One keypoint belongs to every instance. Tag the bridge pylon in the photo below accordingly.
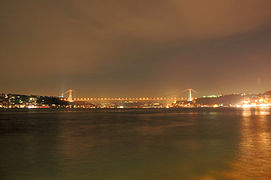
(70, 95)
(69, 92)
(190, 97)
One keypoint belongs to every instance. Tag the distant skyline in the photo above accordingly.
(122, 48)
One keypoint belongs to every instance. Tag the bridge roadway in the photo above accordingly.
(129, 99)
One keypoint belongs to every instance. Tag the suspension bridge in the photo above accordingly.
(70, 97)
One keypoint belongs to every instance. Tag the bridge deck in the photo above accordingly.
(128, 99)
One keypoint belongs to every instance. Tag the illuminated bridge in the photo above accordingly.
(171, 99)
(129, 99)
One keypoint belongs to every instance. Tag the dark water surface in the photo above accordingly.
(192, 145)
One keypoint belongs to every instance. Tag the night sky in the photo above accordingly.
(125, 48)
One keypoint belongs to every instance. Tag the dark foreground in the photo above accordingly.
(193, 144)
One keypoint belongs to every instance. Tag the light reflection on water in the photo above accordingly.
(253, 159)
(195, 145)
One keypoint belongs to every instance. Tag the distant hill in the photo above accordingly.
(268, 93)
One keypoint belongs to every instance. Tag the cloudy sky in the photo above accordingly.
(135, 48)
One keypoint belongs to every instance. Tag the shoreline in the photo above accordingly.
(128, 110)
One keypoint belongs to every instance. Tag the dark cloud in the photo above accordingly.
(124, 47)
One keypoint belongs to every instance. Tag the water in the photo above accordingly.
(194, 145)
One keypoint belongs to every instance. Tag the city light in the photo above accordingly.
(241, 100)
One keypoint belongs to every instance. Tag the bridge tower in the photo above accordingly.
(70, 95)
(190, 91)
(190, 99)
